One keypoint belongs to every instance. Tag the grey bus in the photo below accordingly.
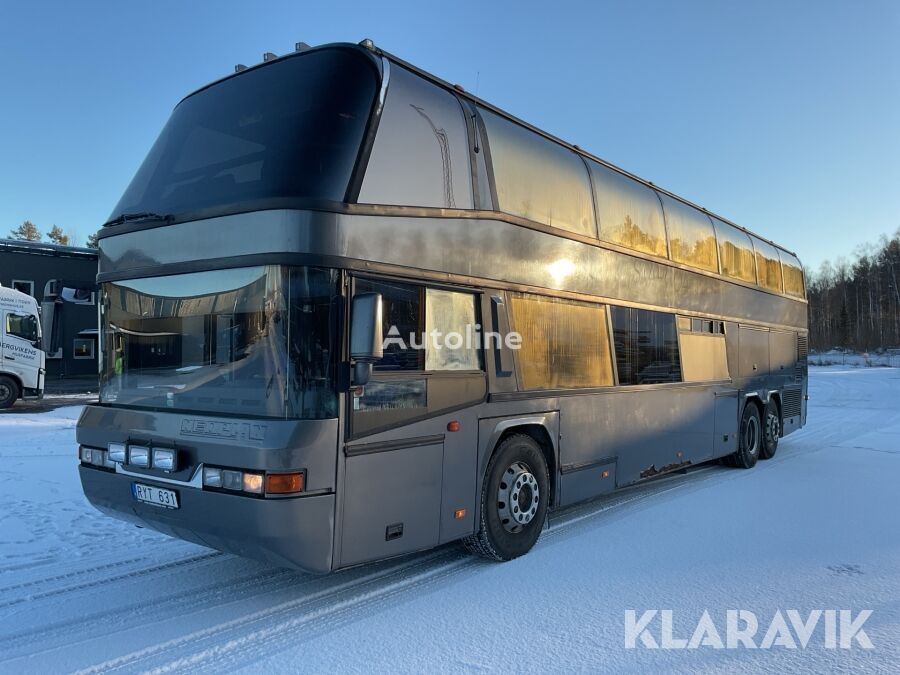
(298, 221)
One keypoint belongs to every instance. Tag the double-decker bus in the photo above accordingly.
(275, 277)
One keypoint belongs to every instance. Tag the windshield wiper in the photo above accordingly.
(139, 218)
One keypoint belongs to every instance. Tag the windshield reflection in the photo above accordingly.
(252, 341)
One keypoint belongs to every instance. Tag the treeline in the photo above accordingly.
(28, 231)
(855, 304)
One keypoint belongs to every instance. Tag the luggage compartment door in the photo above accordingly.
(392, 499)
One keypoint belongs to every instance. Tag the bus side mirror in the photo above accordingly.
(366, 339)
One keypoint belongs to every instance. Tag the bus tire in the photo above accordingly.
(771, 424)
(749, 438)
(514, 500)
(9, 392)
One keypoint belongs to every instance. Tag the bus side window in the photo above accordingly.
(646, 345)
(425, 329)
(421, 151)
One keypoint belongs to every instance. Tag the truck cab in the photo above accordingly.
(22, 365)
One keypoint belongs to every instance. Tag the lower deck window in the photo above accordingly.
(646, 345)
(565, 344)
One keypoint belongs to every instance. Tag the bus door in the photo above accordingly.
(412, 429)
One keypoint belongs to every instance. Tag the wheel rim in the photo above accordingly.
(5, 391)
(751, 435)
(518, 497)
(773, 427)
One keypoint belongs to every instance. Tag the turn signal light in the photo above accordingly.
(285, 483)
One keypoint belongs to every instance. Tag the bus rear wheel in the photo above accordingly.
(749, 438)
(514, 500)
(9, 392)
(771, 430)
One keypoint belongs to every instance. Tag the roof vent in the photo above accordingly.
(269, 56)
(239, 67)
(301, 47)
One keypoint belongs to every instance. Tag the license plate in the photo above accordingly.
(154, 495)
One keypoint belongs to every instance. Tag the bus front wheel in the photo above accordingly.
(514, 500)
(9, 392)
(749, 438)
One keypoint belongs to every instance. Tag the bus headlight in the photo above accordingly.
(116, 452)
(212, 477)
(232, 480)
(253, 482)
(138, 455)
(163, 459)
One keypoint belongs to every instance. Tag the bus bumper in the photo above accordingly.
(295, 532)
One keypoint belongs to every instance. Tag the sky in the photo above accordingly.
(781, 116)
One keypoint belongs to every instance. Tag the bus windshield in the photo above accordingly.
(291, 128)
(255, 341)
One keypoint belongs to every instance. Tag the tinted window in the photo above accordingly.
(564, 343)
(421, 151)
(768, 265)
(793, 275)
(628, 213)
(537, 178)
(735, 252)
(403, 315)
(646, 345)
(692, 240)
(290, 128)
(23, 326)
(251, 341)
(425, 328)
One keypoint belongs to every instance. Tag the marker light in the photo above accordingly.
(138, 455)
(212, 477)
(285, 483)
(232, 480)
(117, 452)
(253, 482)
(85, 454)
(163, 459)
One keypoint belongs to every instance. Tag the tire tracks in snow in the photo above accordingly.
(241, 639)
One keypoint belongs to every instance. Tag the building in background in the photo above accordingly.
(29, 267)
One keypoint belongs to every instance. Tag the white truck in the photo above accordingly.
(22, 364)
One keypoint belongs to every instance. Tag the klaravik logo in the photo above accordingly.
(655, 629)
(233, 431)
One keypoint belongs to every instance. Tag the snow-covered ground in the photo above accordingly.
(815, 528)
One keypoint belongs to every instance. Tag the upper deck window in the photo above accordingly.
(628, 213)
(692, 240)
(287, 129)
(735, 252)
(768, 265)
(538, 179)
(793, 275)
(421, 151)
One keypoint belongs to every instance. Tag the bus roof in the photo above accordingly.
(368, 46)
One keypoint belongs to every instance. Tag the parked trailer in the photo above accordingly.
(272, 279)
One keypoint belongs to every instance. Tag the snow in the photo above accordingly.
(814, 528)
